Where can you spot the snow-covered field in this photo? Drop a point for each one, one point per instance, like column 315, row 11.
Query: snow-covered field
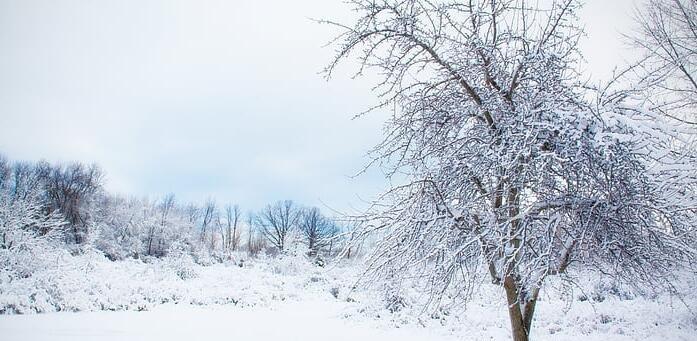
column 290, row 298
column 314, row 319
column 322, row 319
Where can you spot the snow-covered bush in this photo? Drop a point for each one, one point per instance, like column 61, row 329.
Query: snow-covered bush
column 30, row 243
column 29, row 237
column 180, row 261
column 91, row 282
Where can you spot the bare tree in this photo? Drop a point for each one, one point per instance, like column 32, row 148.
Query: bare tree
column 28, row 178
column 512, row 165
column 250, row 229
column 276, row 221
column 166, row 206
column 5, row 172
column 155, row 238
column 193, row 213
column 667, row 34
column 232, row 235
column 27, row 234
column 69, row 190
column 207, row 224
column 255, row 241
column 317, row 229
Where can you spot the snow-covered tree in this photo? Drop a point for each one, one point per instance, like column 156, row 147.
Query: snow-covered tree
column 209, row 218
column 231, row 235
column 139, row 227
column 115, row 227
column 277, row 221
column 667, row 37
column 317, row 230
column 72, row 190
column 28, row 235
column 255, row 239
column 507, row 161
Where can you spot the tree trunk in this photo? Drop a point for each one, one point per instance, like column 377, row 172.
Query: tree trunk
column 521, row 308
column 150, row 237
column 518, row 330
column 233, row 238
column 529, row 310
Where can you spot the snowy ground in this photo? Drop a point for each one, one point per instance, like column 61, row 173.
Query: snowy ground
column 320, row 319
column 284, row 299
column 307, row 320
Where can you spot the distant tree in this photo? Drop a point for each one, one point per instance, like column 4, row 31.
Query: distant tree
column 28, row 178
column 155, row 240
column 193, row 213
column 70, row 190
column 255, row 239
column 276, row 222
column 5, row 172
column 28, row 236
column 115, row 227
column 232, row 235
column 250, row 228
column 316, row 229
column 508, row 162
column 167, row 208
column 167, row 205
column 209, row 216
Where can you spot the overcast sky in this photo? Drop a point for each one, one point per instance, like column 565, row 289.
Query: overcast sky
column 206, row 98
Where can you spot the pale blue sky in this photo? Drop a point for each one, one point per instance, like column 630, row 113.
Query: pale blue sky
column 204, row 98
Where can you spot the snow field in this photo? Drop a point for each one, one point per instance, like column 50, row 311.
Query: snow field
column 290, row 298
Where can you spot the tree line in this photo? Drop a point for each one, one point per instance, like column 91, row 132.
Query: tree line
column 69, row 205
